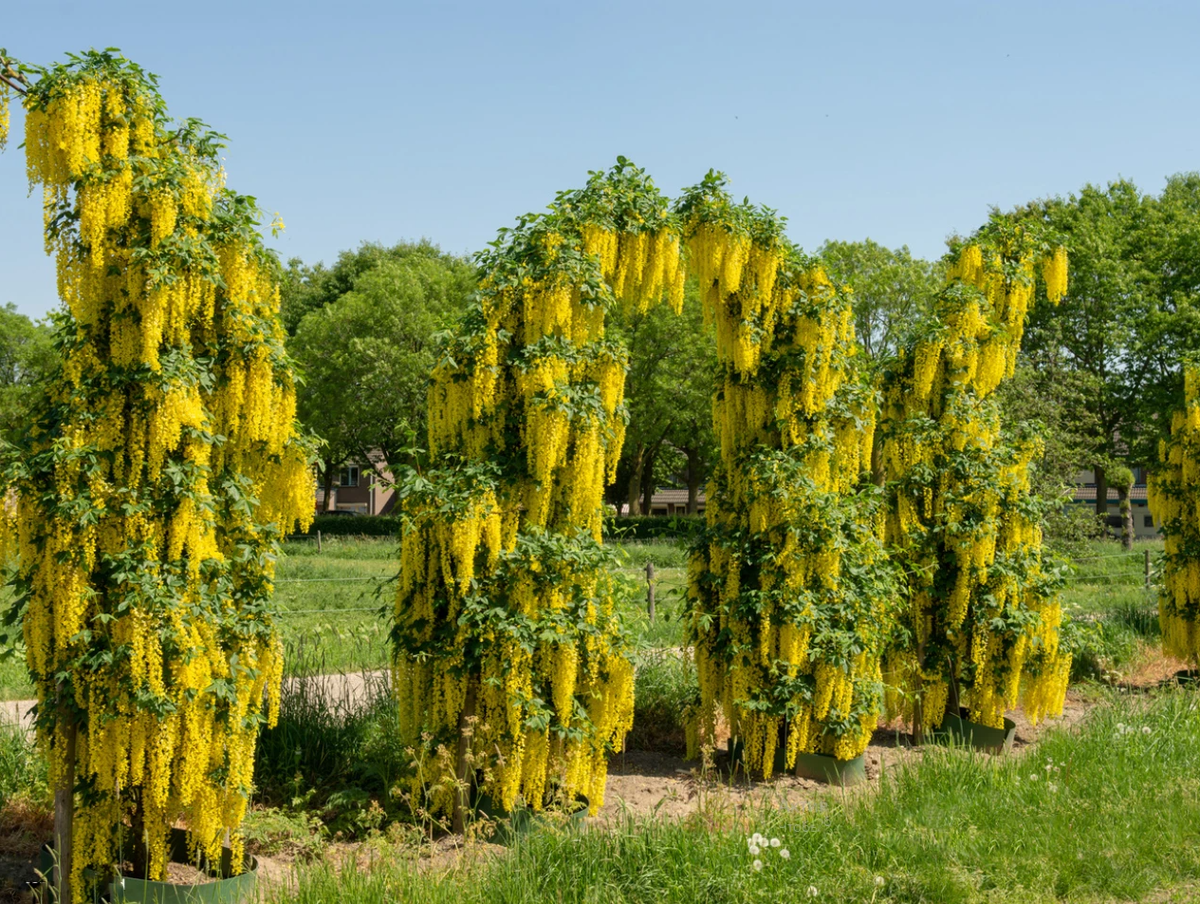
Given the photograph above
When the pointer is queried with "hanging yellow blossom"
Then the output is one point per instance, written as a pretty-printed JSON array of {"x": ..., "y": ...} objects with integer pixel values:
[
  {"x": 982, "y": 613},
  {"x": 1174, "y": 492}
]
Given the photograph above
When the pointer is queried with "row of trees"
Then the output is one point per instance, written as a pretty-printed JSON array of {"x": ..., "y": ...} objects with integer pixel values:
[{"x": 1096, "y": 370}]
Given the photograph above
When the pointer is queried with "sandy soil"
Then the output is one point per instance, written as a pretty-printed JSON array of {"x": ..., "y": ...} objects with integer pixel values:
[{"x": 648, "y": 783}]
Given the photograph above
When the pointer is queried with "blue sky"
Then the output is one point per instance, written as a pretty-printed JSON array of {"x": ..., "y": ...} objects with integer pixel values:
[{"x": 387, "y": 121}]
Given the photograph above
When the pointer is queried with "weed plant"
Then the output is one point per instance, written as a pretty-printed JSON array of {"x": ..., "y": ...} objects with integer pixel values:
[
  {"x": 22, "y": 767},
  {"x": 666, "y": 694},
  {"x": 1108, "y": 813},
  {"x": 335, "y": 751}
]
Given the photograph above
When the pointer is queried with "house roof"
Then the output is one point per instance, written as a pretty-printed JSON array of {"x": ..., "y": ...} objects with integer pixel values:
[
  {"x": 674, "y": 497},
  {"x": 1088, "y": 494}
]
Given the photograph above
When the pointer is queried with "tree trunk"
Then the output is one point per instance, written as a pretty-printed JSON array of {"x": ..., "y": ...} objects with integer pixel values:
[
  {"x": 64, "y": 805},
  {"x": 463, "y": 775},
  {"x": 634, "y": 496},
  {"x": 693, "y": 470},
  {"x": 1101, "y": 492},
  {"x": 139, "y": 856},
  {"x": 329, "y": 469},
  {"x": 1126, "y": 518},
  {"x": 648, "y": 485},
  {"x": 877, "y": 474}
]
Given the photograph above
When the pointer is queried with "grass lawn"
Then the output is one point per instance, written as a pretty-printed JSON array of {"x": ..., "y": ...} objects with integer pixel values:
[{"x": 1107, "y": 812}]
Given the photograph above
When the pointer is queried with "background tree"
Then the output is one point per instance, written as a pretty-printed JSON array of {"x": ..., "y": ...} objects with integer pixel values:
[
  {"x": 1122, "y": 481},
  {"x": 367, "y": 354},
  {"x": 1054, "y": 399},
  {"x": 892, "y": 289},
  {"x": 306, "y": 288},
  {"x": 668, "y": 391},
  {"x": 26, "y": 356},
  {"x": 1098, "y": 329},
  {"x": 1167, "y": 245}
]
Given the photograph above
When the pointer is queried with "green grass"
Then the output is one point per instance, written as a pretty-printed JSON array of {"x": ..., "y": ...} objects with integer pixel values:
[
  {"x": 14, "y": 679},
  {"x": 1106, "y": 576},
  {"x": 331, "y": 600},
  {"x": 22, "y": 768},
  {"x": 1111, "y": 813},
  {"x": 1113, "y": 615},
  {"x": 665, "y": 688}
]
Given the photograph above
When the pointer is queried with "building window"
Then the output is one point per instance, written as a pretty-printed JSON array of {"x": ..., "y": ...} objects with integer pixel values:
[
  {"x": 1149, "y": 521},
  {"x": 349, "y": 476}
]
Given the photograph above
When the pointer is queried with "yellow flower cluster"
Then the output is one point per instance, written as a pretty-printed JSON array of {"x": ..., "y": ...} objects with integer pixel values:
[
  {"x": 176, "y": 461},
  {"x": 1173, "y": 493},
  {"x": 786, "y": 339},
  {"x": 949, "y": 526},
  {"x": 4, "y": 114},
  {"x": 640, "y": 266}
]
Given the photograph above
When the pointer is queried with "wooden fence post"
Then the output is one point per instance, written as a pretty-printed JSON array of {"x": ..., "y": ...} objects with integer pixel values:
[{"x": 650, "y": 590}]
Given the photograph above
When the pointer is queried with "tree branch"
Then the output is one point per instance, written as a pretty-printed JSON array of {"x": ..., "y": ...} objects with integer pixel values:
[{"x": 13, "y": 77}]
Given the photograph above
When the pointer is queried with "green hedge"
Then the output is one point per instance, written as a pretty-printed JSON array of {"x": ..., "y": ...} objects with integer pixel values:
[
  {"x": 354, "y": 526},
  {"x": 623, "y": 527},
  {"x": 652, "y": 527}
]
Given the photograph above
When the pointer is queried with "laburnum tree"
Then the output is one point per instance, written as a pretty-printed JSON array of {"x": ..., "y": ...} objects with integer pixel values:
[
  {"x": 509, "y": 660},
  {"x": 1174, "y": 496},
  {"x": 162, "y": 468},
  {"x": 980, "y": 624},
  {"x": 790, "y": 591}
]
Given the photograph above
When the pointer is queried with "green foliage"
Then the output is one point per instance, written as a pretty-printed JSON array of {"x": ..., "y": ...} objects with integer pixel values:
[
  {"x": 26, "y": 358},
  {"x": 649, "y": 527},
  {"x": 892, "y": 290},
  {"x": 305, "y": 288},
  {"x": 1128, "y": 319},
  {"x": 22, "y": 767},
  {"x": 335, "y": 750},
  {"x": 355, "y": 526},
  {"x": 1120, "y": 478},
  {"x": 367, "y": 348},
  {"x": 274, "y": 832},
  {"x": 668, "y": 391},
  {"x": 1053, "y": 401},
  {"x": 618, "y": 528}
]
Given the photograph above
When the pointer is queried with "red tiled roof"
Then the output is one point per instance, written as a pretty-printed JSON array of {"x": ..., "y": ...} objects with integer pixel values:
[
  {"x": 673, "y": 497},
  {"x": 1088, "y": 494}
]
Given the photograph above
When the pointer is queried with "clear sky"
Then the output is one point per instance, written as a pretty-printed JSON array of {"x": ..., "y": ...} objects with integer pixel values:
[{"x": 382, "y": 121}]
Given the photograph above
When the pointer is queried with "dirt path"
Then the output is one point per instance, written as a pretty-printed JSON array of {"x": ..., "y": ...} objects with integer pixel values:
[{"x": 341, "y": 691}]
